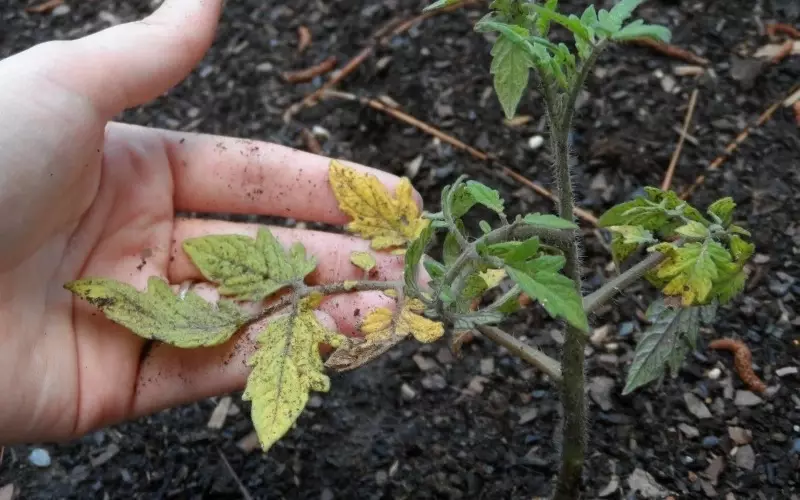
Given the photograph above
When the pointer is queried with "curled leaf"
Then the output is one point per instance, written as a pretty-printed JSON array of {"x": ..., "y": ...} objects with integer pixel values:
[
  {"x": 383, "y": 329},
  {"x": 388, "y": 222},
  {"x": 286, "y": 367},
  {"x": 160, "y": 314}
]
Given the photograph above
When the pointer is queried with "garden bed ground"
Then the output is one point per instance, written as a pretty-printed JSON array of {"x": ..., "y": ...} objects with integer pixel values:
[{"x": 483, "y": 427}]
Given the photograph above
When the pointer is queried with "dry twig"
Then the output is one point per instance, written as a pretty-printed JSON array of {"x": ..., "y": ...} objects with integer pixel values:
[
  {"x": 242, "y": 488},
  {"x": 665, "y": 185},
  {"x": 734, "y": 145},
  {"x": 458, "y": 144},
  {"x": 786, "y": 29},
  {"x": 671, "y": 51},
  {"x": 303, "y": 39},
  {"x": 311, "y": 142},
  {"x": 308, "y": 74},
  {"x": 380, "y": 37},
  {"x": 742, "y": 359},
  {"x": 44, "y": 7}
]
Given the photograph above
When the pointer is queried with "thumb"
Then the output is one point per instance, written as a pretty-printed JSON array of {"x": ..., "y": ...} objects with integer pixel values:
[{"x": 130, "y": 64}]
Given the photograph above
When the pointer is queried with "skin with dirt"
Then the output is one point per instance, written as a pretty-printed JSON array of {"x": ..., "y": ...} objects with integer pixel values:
[{"x": 482, "y": 426}]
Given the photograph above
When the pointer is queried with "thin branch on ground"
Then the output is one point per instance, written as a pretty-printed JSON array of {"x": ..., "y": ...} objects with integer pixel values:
[
  {"x": 606, "y": 292},
  {"x": 734, "y": 145},
  {"x": 242, "y": 488},
  {"x": 458, "y": 144},
  {"x": 665, "y": 185},
  {"x": 380, "y": 37},
  {"x": 527, "y": 353},
  {"x": 308, "y": 74},
  {"x": 786, "y": 29},
  {"x": 671, "y": 51}
]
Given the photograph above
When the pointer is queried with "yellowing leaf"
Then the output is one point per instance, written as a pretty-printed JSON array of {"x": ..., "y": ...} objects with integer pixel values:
[
  {"x": 493, "y": 277},
  {"x": 286, "y": 367},
  {"x": 160, "y": 314},
  {"x": 385, "y": 220},
  {"x": 248, "y": 268},
  {"x": 383, "y": 330},
  {"x": 691, "y": 270},
  {"x": 364, "y": 260}
]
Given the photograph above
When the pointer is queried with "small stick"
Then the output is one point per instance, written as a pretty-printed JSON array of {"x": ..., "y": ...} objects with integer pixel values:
[
  {"x": 458, "y": 144},
  {"x": 312, "y": 144},
  {"x": 665, "y": 185},
  {"x": 741, "y": 361},
  {"x": 308, "y": 74},
  {"x": 671, "y": 51},
  {"x": 382, "y": 36},
  {"x": 242, "y": 488},
  {"x": 734, "y": 145},
  {"x": 304, "y": 39},
  {"x": 786, "y": 51},
  {"x": 786, "y": 29},
  {"x": 44, "y": 7}
]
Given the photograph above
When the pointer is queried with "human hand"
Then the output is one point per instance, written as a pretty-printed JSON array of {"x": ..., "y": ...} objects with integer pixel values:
[{"x": 85, "y": 197}]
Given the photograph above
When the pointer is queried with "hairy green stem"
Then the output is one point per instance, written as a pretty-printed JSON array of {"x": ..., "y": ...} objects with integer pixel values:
[
  {"x": 573, "y": 452},
  {"x": 609, "y": 290},
  {"x": 523, "y": 351}
]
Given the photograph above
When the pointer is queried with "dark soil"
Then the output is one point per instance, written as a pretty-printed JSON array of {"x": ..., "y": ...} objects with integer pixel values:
[{"x": 364, "y": 439}]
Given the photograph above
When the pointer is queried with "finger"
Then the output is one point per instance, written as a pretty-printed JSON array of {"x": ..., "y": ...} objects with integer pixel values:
[
  {"x": 133, "y": 63},
  {"x": 331, "y": 250},
  {"x": 169, "y": 376},
  {"x": 222, "y": 174}
]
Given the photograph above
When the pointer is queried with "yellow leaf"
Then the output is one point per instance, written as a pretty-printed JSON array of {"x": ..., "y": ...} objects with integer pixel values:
[
  {"x": 387, "y": 221},
  {"x": 383, "y": 330},
  {"x": 391, "y": 292},
  {"x": 378, "y": 324},
  {"x": 493, "y": 277},
  {"x": 364, "y": 260},
  {"x": 349, "y": 284},
  {"x": 286, "y": 367}
]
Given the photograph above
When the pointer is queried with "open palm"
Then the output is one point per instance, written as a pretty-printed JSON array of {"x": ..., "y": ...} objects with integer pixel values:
[{"x": 84, "y": 197}]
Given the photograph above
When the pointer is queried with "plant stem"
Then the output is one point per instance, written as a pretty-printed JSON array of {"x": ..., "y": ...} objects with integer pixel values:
[
  {"x": 525, "y": 352},
  {"x": 573, "y": 399},
  {"x": 329, "y": 289},
  {"x": 606, "y": 292}
]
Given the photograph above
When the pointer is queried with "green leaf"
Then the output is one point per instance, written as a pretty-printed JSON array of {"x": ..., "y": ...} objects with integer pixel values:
[
  {"x": 633, "y": 235},
  {"x": 247, "y": 268},
  {"x": 549, "y": 221},
  {"x": 461, "y": 202},
  {"x": 621, "y": 250},
  {"x": 523, "y": 251},
  {"x": 160, "y": 314},
  {"x": 572, "y": 23},
  {"x": 637, "y": 212},
  {"x": 740, "y": 249},
  {"x": 638, "y": 29},
  {"x": 468, "y": 321},
  {"x": 624, "y": 9},
  {"x": 286, "y": 367},
  {"x": 607, "y": 23},
  {"x": 589, "y": 16},
  {"x": 691, "y": 270},
  {"x": 734, "y": 229},
  {"x": 545, "y": 263},
  {"x": 669, "y": 332},
  {"x": 542, "y": 23},
  {"x": 440, "y": 4},
  {"x": 486, "y": 228},
  {"x": 694, "y": 230},
  {"x": 434, "y": 268},
  {"x": 557, "y": 294},
  {"x": 412, "y": 258},
  {"x": 671, "y": 201},
  {"x": 450, "y": 248},
  {"x": 486, "y": 196},
  {"x": 511, "y": 65},
  {"x": 474, "y": 287},
  {"x": 723, "y": 209}
]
